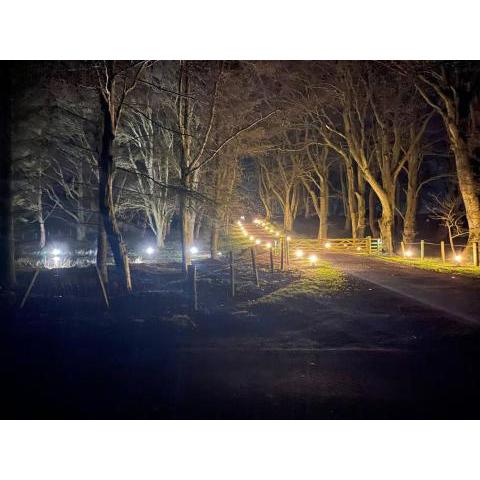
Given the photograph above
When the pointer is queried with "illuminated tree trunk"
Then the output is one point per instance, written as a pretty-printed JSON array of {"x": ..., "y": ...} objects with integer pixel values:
[
  {"x": 409, "y": 219},
  {"x": 351, "y": 201},
  {"x": 214, "y": 236},
  {"x": 102, "y": 247},
  {"x": 372, "y": 217},
  {"x": 7, "y": 246},
  {"x": 468, "y": 185},
  {"x": 105, "y": 199},
  {"x": 361, "y": 207}
]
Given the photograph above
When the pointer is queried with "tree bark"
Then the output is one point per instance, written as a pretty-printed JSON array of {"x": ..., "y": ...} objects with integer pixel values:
[
  {"x": 214, "y": 235},
  {"x": 372, "y": 218},
  {"x": 7, "y": 245},
  {"x": 105, "y": 199},
  {"x": 409, "y": 219},
  {"x": 467, "y": 183},
  {"x": 361, "y": 207},
  {"x": 102, "y": 251},
  {"x": 323, "y": 219}
]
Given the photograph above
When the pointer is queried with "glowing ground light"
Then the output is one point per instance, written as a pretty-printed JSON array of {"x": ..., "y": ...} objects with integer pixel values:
[
  {"x": 458, "y": 258},
  {"x": 313, "y": 259},
  {"x": 242, "y": 217},
  {"x": 358, "y": 249},
  {"x": 258, "y": 242},
  {"x": 299, "y": 253},
  {"x": 268, "y": 245},
  {"x": 193, "y": 250},
  {"x": 252, "y": 238},
  {"x": 408, "y": 253},
  {"x": 328, "y": 245},
  {"x": 149, "y": 250},
  {"x": 289, "y": 238},
  {"x": 277, "y": 234},
  {"x": 56, "y": 252}
]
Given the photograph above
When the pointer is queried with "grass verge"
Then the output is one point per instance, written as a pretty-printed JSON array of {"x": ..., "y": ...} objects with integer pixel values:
[
  {"x": 435, "y": 265},
  {"x": 321, "y": 280}
]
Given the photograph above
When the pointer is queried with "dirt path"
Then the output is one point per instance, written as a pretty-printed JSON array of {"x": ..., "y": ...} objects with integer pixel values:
[{"x": 454, "y": 294}]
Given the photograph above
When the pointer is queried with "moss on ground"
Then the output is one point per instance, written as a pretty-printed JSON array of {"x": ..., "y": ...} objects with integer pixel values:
[
  {"x": 312, "y": 282},
  {"x": 435, "y": 265}
]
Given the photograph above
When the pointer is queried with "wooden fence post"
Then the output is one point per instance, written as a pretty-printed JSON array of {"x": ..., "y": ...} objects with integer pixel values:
[
  {"x": 442, "y": 251},
  {"x": 254, "y": 266},
  {"x": 403, "y": 248},
  {"x": 271, "y": 259},
  {"x": 422, "y": 249},
  {"x": 369, "y": 245},
  {"x": 475, "y": 254},
  {"x": 232, "y": 275},
  {"x": 192, "y": 285}
]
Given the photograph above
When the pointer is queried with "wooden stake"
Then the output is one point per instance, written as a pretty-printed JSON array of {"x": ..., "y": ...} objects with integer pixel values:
[
  {"x": 422, "y": 249},
  {"x": 403, "y": 248},
  {"x": 369, "y": 245},
  {"x": 102, "y": 287},
  {"x": 254, "y": 266},
  {"x": 271, "y": 260},
  {"x": 475, "y": 254},
  {"x": 232, "y": 275},
  {"x": 442, "y": 251},
  {"x": 192, "y": 283},
  {"x": 29, "y": 289}
]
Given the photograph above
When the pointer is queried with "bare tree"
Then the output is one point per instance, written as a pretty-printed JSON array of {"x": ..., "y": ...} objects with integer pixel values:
[
  {"x": 115, "y": 82},
  {"x": 449, "y": 212},
  {"x": 453, "y": 90}
]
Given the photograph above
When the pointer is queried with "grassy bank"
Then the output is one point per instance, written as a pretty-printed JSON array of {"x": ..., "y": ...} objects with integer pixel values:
[{"x": 435, "y": 265}]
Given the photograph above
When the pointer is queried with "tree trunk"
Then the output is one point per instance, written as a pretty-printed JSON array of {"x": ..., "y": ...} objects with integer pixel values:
[
  {"x": 105, "y": 200},
  {"x": 467, "y": 183},
  {"x": 187, "y": 221},
  {"x": 287, "y": 217},
  {"x": 351, "y": 201},
  {"x": 214, "y": 235},
  {"x": 411, "y": 208},
  {"x": 361, "y": 207},
  {"x": 43, "y": 237},
  {"x": 372, "y": 218},
  {"x": 198, "y": 226},
  {"x": 7, "y": 245},
  {"x": 323, "y": 219},
  {"x": 102, "y": 251}
]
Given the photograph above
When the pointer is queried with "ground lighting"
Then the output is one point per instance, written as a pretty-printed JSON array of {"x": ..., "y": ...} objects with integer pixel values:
[
  {"x": 299, "y": 253},
  {"x": 56, "y": 252},
  {"x": 458, "y": 258},
  {"x": 149, "y": 250},
  {"x": 193, "y": 250},
  {"x": 252, "y": 238},
  {"x": 268, "y": 245},
  {"x": 328, "y": 245},
  {"x": 258, "y": 242},
  {"x": 313, "y": 259},
  {"x": 408, "y": 253}
]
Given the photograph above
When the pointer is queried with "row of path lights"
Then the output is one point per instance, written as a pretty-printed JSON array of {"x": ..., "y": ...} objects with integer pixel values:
[{"x": 273, "y": 236}]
